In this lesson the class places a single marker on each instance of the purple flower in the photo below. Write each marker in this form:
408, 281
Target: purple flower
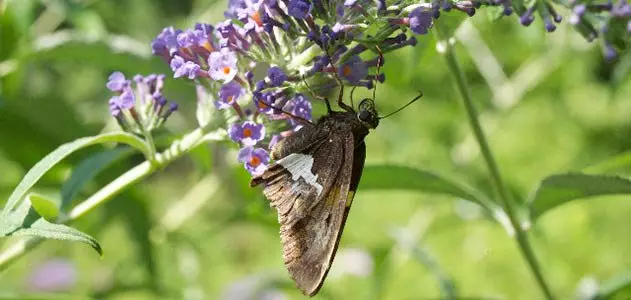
247, 133
165, 44
276, 76
353, 70
222, 65
420, 20
125, 100
229, 94
299, 9
299, 107
184, 68
116, 82
264, 101
53, 276
255, 160
205, 36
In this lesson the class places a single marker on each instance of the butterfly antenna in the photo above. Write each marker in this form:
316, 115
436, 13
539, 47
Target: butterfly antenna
404, 106
282, 111
379, 63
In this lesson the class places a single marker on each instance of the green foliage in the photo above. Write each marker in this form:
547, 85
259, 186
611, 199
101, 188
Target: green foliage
559, 189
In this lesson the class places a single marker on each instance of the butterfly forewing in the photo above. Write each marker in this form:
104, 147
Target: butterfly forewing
312, 188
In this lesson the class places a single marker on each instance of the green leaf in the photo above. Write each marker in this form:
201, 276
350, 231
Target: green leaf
560, 189
405, 178
13, 220
45, 229
45, 207
617, 287
617, 163
50, 160
87, 170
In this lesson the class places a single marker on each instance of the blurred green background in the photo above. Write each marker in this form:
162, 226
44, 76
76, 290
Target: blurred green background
195, 230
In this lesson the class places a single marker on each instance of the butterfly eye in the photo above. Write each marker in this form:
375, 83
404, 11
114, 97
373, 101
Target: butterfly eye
367, 113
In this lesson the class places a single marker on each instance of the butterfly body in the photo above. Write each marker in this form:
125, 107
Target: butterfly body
311, 185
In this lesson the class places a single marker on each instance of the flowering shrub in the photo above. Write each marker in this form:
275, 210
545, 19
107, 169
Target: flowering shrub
301, 41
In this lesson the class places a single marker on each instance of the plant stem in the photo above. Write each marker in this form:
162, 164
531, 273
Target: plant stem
500, 188
176, 150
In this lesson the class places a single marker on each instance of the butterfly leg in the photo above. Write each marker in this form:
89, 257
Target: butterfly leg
352, 91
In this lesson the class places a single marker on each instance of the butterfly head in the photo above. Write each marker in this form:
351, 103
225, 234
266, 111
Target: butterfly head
367, 114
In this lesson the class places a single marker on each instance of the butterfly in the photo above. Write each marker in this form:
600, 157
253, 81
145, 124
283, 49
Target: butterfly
312, 185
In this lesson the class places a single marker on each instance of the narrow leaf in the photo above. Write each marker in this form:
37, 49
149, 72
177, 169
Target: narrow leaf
406, 178
560, 189
617, 163
87, 170
50, 160
45, 207
13, 220
45, 229
617, 287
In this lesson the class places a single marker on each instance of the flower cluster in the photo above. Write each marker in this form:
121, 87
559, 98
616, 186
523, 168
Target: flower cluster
140, 109
257, 63
260, 63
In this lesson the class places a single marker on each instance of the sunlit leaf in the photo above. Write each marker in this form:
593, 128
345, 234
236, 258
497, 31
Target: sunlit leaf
620, 162
560, 189
615, 288
406, 178
45, 229
12, 220
50, 160
44, 206
87, 170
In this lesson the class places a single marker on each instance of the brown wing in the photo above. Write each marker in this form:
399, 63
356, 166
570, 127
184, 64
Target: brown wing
295, 184
311, 227
309, 245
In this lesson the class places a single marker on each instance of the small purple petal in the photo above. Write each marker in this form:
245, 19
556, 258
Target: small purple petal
420, 20
353, 70
229, 94
299, 9
247, 133
255, 160
183, 68
277, 76
222, 65
116, 82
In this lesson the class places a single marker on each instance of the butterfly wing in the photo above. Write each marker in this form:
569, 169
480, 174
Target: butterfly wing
312, 222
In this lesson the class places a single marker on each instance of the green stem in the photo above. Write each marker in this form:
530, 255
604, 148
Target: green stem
176, 150
500, 188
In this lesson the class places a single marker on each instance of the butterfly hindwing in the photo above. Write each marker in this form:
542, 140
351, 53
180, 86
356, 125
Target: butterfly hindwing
312, 185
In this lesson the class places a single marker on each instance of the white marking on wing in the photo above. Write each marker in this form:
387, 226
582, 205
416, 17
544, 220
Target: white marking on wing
299, 165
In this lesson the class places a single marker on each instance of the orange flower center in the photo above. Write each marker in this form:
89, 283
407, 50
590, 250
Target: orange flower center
230, 98
255, 161
226, 70
208, 46
247, 132
257, 18
346, 70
